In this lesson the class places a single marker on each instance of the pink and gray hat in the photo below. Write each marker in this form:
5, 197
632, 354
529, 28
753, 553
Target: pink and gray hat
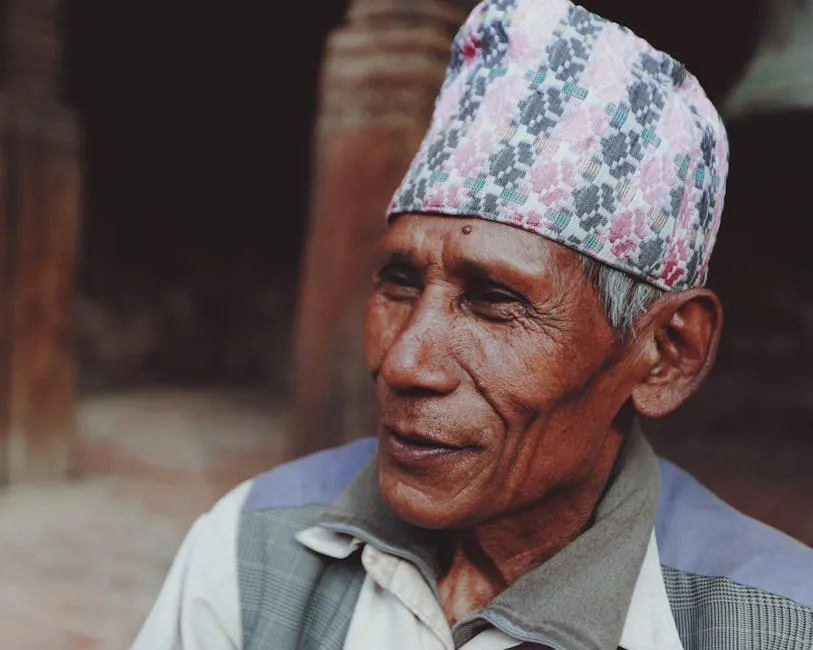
557, 121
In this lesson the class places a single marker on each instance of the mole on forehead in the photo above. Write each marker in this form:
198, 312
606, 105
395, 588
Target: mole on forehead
466, 229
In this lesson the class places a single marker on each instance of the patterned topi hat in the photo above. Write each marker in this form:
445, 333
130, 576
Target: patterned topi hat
557, 121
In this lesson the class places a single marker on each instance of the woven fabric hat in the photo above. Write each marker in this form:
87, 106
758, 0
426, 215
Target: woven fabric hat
560, 122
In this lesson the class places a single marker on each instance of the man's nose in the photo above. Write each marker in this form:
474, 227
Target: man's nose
419, 361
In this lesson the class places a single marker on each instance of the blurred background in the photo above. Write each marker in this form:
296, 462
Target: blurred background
188, 197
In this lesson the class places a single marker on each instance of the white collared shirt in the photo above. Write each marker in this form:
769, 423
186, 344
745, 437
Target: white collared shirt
199, 605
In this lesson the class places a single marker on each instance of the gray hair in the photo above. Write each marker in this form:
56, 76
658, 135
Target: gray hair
623, 297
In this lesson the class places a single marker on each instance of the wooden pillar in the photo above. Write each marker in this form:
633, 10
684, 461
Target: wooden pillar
382, 70
39, 171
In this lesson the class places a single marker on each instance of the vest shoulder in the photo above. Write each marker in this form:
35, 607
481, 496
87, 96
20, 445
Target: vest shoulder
290, 596
699, 533
715, 612
317, 479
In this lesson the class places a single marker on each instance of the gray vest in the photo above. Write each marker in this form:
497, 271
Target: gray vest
293, 598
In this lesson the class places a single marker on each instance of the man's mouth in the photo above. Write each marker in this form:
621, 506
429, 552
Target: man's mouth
415, 449
417, 439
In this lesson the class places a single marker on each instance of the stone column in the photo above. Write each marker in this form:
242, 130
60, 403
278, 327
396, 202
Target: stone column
382, 70
39, 213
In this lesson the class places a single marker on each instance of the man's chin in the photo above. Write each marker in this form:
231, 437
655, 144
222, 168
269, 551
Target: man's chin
416, 502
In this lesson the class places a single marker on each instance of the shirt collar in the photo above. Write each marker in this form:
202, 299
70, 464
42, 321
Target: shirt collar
611, 571
649, 624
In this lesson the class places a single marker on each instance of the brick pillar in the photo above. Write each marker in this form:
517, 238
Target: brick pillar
39, 172
382, 70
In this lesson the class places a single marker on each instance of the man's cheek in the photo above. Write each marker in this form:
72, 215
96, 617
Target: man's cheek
382, 324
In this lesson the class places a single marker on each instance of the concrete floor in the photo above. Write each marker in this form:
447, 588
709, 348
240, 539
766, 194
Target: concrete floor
82, 563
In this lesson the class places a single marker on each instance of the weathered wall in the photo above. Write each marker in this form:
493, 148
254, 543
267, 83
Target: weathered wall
39, 220
383, 68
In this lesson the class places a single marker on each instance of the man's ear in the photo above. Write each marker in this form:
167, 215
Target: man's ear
679, 337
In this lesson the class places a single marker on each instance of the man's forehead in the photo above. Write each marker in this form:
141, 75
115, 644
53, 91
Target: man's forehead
459, 242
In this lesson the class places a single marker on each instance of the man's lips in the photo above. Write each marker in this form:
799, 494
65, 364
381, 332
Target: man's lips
419, 439
417, 451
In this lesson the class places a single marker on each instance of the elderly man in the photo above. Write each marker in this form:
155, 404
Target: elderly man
540, 287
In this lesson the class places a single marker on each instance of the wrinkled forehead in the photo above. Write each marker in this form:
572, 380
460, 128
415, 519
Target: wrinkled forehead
462, 244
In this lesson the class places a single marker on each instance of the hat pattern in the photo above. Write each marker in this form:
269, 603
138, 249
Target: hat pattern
558, 121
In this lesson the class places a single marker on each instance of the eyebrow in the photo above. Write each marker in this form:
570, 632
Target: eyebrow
397, 257
518, 282
476, 271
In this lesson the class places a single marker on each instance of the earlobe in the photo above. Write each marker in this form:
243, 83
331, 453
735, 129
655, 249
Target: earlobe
685, 334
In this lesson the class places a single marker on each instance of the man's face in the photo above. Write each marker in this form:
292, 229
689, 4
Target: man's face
497, 375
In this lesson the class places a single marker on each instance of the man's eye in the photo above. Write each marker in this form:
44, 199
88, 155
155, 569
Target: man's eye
496, 296
492, 293
398, 283
401, 278
495, 303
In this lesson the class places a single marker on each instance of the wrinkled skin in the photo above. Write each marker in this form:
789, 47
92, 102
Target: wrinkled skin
504, 394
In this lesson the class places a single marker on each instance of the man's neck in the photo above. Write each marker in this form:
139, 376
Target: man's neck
479, 563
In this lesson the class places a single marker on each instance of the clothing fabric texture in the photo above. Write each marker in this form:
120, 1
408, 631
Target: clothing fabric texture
308, 556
